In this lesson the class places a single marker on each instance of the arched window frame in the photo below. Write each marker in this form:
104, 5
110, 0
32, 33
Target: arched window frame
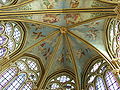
40, 69
97, 73
112, 44
58, 74
92, 85
22, 30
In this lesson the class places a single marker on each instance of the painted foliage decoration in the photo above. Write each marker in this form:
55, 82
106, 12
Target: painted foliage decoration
61, 81
11, 38
113, 33
24, 74
100, 77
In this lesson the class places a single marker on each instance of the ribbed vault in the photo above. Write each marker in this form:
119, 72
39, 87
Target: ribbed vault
64, 34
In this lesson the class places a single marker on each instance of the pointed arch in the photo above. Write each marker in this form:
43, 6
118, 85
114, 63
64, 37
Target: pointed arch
63, 79
98, 76
12, 38
25, 73
113, 39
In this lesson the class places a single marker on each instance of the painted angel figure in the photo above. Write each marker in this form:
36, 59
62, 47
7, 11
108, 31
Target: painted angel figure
74, 3
72, 18
50, 18
49, 3
92, 25
92, 34
38, 35
79, 53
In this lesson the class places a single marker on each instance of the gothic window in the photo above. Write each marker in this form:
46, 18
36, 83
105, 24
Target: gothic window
24, 74
91, 87
111, 81
101, 77
113, 34
7, 2
11, 38
7, 75
62, 81
99, 84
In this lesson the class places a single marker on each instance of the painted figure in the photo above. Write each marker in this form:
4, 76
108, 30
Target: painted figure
38, 35
72, 18
37, 26
79, 53
61, 58
74, 3
92, 25
45, 51
92, 34
50, 18
49, 3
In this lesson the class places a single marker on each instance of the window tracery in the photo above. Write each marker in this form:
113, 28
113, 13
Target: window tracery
24, 74
101, 78
7, 2
61, 81
111, 81
91, 87
11, 38
100, 84
114, 37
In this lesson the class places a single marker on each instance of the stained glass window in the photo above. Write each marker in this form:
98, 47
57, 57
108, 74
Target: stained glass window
24, 74
62, 81
11, 37
111, 81
100, 84
101, 78
95, 67
7, 75
91, 88
27, 86
17, 82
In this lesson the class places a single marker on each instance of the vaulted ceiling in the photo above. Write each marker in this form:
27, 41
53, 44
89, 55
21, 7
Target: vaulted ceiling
64, 34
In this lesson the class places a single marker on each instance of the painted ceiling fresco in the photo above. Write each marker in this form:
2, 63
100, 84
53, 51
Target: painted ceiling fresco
58, 35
